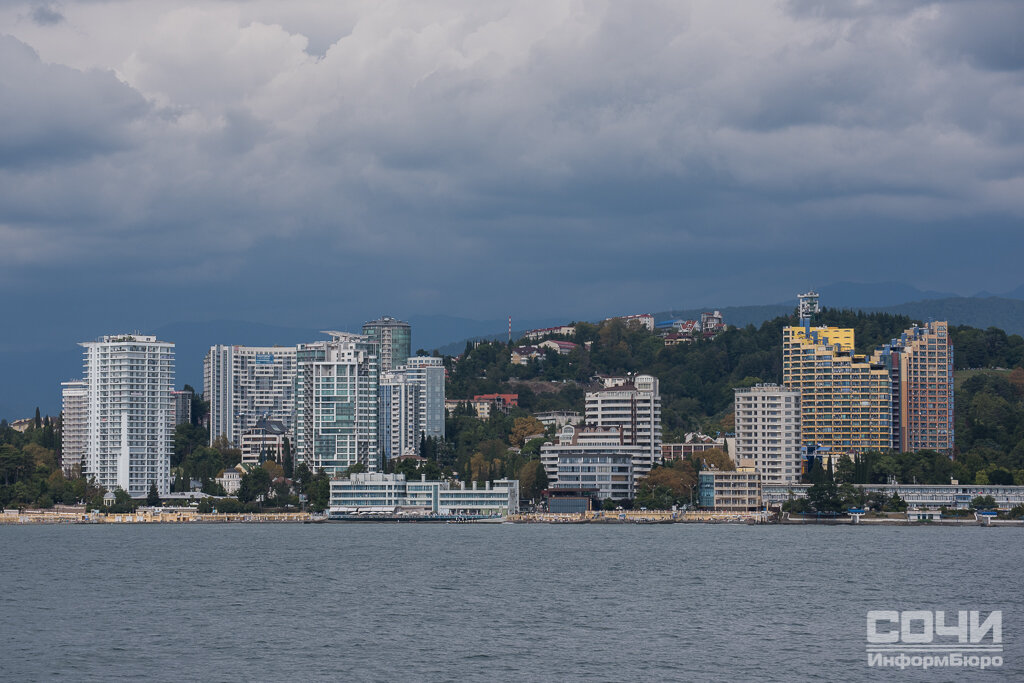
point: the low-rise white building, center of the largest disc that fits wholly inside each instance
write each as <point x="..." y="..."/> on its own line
<point x="953" y="495"/>
<point x="378" y="493"/>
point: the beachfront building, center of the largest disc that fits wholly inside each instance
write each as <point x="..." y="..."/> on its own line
<point x="336" y="403"/>
<point x="74" y="424"/>
<point x="245" y="384"/>
<point x="594" y="460"/>
<point x="130" y="414"/>
<point x="768" y="431"/>
<point x="632" y="404"/>
<point x="378" y="493"/>
<point x="736" y="490"/>
<point x="930" y="496"/>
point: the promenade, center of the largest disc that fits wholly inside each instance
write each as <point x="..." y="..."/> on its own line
<point x="149" y="516"/>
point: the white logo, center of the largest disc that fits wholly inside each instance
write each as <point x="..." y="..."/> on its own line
<point x="925" y="639"/>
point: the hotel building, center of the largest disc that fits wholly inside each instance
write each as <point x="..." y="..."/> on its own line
<point x="593" y="460"/>
<point x="632" y="404"/>
<point x="845" y="398"/>
<point x="130" y="414"/>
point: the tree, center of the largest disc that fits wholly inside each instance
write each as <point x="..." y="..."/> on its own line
<point x="1000" y="477"/>
<point x="153" y="497"/>
<point x="524" y="427"/>
<point x="230" y="455"/>
<point x="286" y="458"/>
<point x="714" y="457"/>
<point x="983" y="503"/>
<point x="254" y="484"/>
<point x="824" y="497"/>
<point x="666" y="486"/>
<point x="533" y="479"/>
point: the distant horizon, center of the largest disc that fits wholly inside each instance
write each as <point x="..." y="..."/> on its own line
<point x="189" y="354"/>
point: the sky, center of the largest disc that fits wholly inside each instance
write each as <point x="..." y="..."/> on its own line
<point x="301" y="162"/>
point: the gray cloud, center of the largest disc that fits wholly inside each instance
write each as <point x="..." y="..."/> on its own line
<point x="254" y="150"/>
<point x="46" y="15"/>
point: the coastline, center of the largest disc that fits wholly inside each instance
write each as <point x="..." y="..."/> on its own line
<point x="189" y="516"/>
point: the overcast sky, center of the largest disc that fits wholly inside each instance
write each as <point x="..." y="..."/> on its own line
<point x="300" y="162"/>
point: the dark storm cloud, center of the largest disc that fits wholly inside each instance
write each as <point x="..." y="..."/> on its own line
<point x="619" y="154"/>
<point x="988" y="35"/>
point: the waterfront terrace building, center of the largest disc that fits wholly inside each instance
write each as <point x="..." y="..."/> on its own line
<point x="926" y="496"/>
<point x="393" y="338"/>
<point x="845" y="398"/>
<point x="632" y="404"/>
<point x="130" y="415"/>
<point x="245" y="384"/>
<point x="378" y="493"/>
<point x="74" y="424"/>
<point x="736" y="491"/>
<point x="595" y="460"/>
<point x="336" y="403"/>
<point x="768" y="431"/>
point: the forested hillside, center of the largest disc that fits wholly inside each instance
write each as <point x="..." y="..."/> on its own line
<point x="697" y="379"/>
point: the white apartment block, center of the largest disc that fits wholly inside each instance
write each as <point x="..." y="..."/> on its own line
<point x="768" y="431"/>
<point x="130" y="413"/>
<point x="74" y="424"/>
<point x="336" y="404"/>
<point x="246" y="383"/>
<point x="634" y="405"/>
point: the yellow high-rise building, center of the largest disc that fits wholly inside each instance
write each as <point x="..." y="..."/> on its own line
<point x="845" y="398"/>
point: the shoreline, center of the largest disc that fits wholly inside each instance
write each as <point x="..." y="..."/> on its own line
<point x="187" y="516"/>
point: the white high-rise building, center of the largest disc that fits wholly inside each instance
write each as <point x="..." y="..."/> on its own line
<point x="634" y="405"/>
<point x="246" y="383"/>
<point x="74" y="424"/>
<point x="130" y="414"/>
<point x="768" y="431"/>
<point x="411" y="405"/>
<point x="336" y="403"/>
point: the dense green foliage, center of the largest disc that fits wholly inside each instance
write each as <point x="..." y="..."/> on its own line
<point x="30" y="472"/>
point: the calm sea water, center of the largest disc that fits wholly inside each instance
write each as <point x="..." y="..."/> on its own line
<point x="390" y="602"/>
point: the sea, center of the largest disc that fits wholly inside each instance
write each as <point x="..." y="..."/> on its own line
<point x="494" y="602"/>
